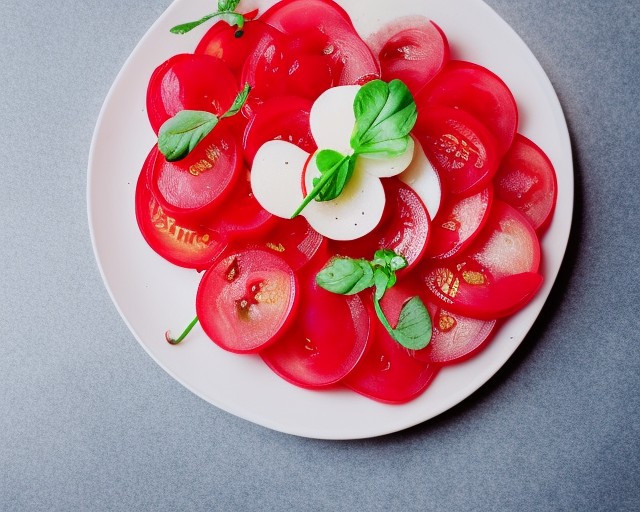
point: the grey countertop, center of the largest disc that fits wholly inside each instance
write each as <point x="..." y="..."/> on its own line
<point x="90" y="422"/>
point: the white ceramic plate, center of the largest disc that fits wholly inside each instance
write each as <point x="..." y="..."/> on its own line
<point x="153" y="296"/>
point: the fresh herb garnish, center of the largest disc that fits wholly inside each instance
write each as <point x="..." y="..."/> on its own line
<point x="385" y="114"/>
<point x="348" y="276"/>
<point x="181" y="133"/>
<point x="226" y="12"/>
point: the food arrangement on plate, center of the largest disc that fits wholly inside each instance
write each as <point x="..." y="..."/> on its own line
<point x="363" y="212"/>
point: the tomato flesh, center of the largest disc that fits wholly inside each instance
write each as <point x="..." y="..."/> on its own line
<point x="246" y="300"/>
<point x="461" y="149"/>
<point x="496" y="275"/>
<point x="192" y="188"/>
<point x="478" y="91"/>
<point x="189" y="82"/>
<point x="457" y="223"/>
<point x="388" y="372"/>
<point x="327" y="341"/>
<point x="527" y="181"/>
<point x="183" y="245"/>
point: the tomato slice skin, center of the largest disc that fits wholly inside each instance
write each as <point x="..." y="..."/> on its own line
<point x="461" y="149"/>
<point x="189" y="82"/>
<point x="496" y="276"/>
<point x="327" y="341"/>
<point x="480" y="92"/>
<point x="246" y="300"/>
<point x="457" y="223"/>
<point x="282" y="118"/>
<point x="404" y="227"/>
<point x="527" y="181"/>
<point x="388" y="372"/>
<point x="414" y="51"/>
<point x="352" y="60"/>
<point x="220" y="41"/>
<point x="183" y="245"/>
<point x="456" y="338"/>
<point x="192" y="188"/>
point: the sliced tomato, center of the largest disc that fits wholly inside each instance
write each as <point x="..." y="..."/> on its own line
<point x="388" y="372"/>
<point x="328" y="339"/>
<point x="404" y="227"/>
<point x="527" y="181"/>
<point x="413" y="52"/>
<point x="189" y="82"/>
<point x="295" y="241"/>
<point x="458" y="221"/>
<point x="222" y="41"/>
<point x="460" y="148"/>
<point x="186" y="246"/>
<point x="455" y="337"/>
<point x="282" y="118"/>
<point x="352" y="60"/>
<point x="192" y="188"/>
<point x="496" y="276"/>
<point x="247" y="299"/>
<point x="478" y="91"/>
<point x="241" y="216"/>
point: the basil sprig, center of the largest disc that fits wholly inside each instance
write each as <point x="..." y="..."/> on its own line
<point x="226" y="12"/>
<point x="348" y="276"/>
<point x="385" y="115"/>
<point x="180" y="134"/>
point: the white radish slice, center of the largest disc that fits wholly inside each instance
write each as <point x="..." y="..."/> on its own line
<point x="354" y="213"/>
<point x="276" y="177"/>
<point x="384" y="167"/>
<point x="424" y="180"/>
<point x="332" y="118"/>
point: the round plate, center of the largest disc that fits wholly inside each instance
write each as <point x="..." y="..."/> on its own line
<point x="153" y="296"/>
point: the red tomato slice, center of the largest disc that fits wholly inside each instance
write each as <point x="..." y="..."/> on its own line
<point x="246" y="300"/>
<point x="388" y="372"/>
<point x="221" y="41"/>
<point x="189" y="82"/>
<point x="496" y="276"/>
<point x="182" y="245"/>
<point x="282" y="118"/>
<point x="192" y="188"/>
<point x="460" y="148"/>
<point x="352" y="60"/>
<point x="455" y="337"/>
<point x="328" y="339"/>
<point x="527" y="181"/>
<point x="413" y="52"/>
<point x="404" y="227"/>
<point x="457" y="222"/>
<point x="478" y="91"/>
<point x="295" y="241"/>
<point x="241" y="216"/>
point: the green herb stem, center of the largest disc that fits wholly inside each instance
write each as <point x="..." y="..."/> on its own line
<point x="172" y="341"/>
<point x="326" y="177"/>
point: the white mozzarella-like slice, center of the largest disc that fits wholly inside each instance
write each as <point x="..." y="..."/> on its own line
<point x="354" y="213"/>
<point x="332" y="119"/>
<point x="276" y="177"/>
<point x="424" y="180"/>
<point x="385" y="167"/>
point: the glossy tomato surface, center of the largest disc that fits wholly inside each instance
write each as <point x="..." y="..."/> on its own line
<point x="247" y="299"/>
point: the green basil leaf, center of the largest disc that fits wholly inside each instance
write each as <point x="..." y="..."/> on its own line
<point x="224" y="13"/>
<point x="181" y="133"/>
<point x="227" y="5"/>
<point x="345" y="276"/>
<point x="367" y="105"/>
<point x="187" y="27"/>
<point x="381" y="279"/>
<point x="340" y="169"/>
<point x="414" y="328"/>
<point x="239" y="102"/>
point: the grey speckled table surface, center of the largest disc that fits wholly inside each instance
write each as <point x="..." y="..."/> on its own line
<point x="90" y="422"/>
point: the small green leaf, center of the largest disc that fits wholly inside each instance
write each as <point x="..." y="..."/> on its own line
<point x="239" y="102"/>
<point x="227" y="5"/>
<point x="224" y="13"/>
<point x="381" y="279"/>
<point x="189" y="26"/>
<point x="181" y="133"/>
<point x="345" y="276"/>
<point x="414" y="328"/>
<point x="341" y="169"/>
